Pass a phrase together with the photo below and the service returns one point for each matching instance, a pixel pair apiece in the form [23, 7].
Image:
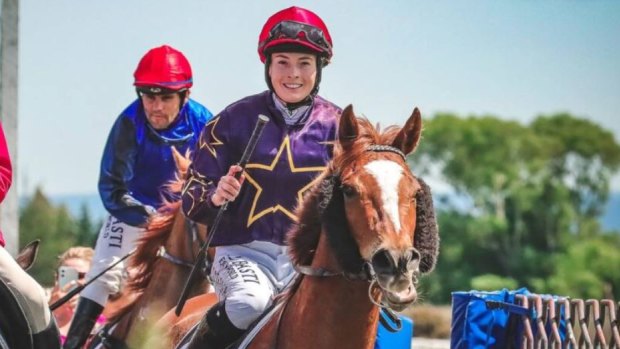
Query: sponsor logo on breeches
[238, 268]
[113, 233]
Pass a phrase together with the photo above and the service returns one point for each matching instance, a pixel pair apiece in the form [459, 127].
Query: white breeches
[115, 240]
[248, 276]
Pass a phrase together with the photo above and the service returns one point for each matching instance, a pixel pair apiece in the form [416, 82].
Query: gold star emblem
[285, 147]
[210, 127]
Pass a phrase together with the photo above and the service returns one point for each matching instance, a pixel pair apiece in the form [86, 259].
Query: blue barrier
[395, 340]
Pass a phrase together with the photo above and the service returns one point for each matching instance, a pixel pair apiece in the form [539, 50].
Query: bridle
[366, 272]
[191, 229]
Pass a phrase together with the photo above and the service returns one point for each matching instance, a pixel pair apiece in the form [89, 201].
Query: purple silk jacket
[284, 163]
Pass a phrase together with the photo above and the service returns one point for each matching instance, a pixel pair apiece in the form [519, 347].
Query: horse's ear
[26, 257]
[347, 129]
[409, 136]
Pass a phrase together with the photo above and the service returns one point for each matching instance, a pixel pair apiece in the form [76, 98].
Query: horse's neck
[164, 287]
[336, 312]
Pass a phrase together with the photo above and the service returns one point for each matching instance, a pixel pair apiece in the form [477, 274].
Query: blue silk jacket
[137, 159]
[281, 169]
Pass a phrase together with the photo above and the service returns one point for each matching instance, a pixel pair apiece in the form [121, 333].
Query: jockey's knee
[243, 311]
[27, 291]
[36, 307]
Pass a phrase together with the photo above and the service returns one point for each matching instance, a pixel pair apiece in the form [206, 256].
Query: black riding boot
[84, 319]
[215, 331]
[49, 338]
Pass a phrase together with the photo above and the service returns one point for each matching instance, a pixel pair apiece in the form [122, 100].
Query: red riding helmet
[295, 25]
[163, 68]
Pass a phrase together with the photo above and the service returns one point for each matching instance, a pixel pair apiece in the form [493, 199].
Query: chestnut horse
[158, 270]
[365, 232]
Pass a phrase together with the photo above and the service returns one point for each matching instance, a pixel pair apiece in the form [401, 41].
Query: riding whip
[79, 289]
[249, 149]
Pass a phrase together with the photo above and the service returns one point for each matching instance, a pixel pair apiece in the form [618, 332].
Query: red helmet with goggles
[296, 26]
[163, 69]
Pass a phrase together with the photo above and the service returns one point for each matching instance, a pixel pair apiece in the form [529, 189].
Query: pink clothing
[5, 172]
[100, 322]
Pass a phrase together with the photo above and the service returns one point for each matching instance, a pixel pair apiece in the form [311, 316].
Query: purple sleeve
[211, 161]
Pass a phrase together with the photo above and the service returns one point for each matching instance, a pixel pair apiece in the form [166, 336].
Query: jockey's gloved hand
[129, 200]
[150, 210]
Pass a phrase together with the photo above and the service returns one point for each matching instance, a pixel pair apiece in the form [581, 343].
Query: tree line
[524, 213]
[534, 195]
[57, 229]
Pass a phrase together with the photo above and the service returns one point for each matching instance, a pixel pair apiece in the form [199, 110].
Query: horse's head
[387, 210]
[377, 216]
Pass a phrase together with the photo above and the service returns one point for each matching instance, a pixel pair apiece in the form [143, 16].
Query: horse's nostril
[413, 260]
[383, 262]
[414, 255]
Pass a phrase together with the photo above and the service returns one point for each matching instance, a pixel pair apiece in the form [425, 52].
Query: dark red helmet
[163, 69]
[296, 26]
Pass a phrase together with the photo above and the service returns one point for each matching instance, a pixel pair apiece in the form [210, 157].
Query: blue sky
[514, 59]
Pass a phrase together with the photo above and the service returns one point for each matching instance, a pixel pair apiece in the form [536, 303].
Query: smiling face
[161, 110]
[292, 75]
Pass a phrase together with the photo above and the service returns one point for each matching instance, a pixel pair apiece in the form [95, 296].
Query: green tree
[39, 219]
[533, 192]
[588, 268]
[583, 157]
[86, 229]
[57, 230]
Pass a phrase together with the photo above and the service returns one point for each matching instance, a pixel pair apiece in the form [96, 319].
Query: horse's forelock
[182, 163]
[368, 135]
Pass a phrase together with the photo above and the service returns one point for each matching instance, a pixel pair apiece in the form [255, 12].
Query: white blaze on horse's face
[388, 175]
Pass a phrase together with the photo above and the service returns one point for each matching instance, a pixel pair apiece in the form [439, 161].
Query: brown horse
[158, 270]
[365, 232]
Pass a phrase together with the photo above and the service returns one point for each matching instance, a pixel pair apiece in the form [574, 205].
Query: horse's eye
[348, 191]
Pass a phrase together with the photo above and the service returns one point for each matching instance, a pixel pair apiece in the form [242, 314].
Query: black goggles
[155, 90]
[292, 30]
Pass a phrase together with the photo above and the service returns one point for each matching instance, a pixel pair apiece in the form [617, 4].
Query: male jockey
[137, 161]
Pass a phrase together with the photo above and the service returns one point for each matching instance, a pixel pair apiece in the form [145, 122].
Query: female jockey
[27, 291]
[137, 161]
[251, 264]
